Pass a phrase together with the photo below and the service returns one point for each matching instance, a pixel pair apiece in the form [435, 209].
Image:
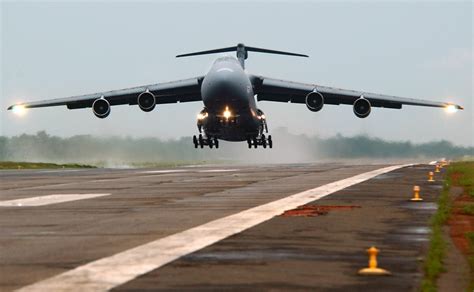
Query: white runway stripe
[48, 200]
[217, 170]
[110, 272]
[186, 170]
[164, 171]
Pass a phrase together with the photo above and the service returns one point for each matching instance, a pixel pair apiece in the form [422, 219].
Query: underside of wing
[314, 96]
[170, 92]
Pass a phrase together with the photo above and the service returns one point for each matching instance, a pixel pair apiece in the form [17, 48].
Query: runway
[213, 227]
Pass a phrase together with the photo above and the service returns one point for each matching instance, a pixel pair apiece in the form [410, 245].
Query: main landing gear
[201, 141]
[260, 141]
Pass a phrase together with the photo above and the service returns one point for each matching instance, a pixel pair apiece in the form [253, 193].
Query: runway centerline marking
[109, 272]
[48, 200]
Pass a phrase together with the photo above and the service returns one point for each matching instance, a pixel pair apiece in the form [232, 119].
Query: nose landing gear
[201, 141]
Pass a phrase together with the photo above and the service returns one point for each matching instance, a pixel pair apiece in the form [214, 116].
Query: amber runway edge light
[372, 269]
[430, 176]
[416, 194]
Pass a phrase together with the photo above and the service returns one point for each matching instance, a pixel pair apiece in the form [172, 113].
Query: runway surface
[213, 227]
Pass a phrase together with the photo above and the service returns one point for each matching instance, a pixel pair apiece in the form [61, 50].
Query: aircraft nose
[224, 84]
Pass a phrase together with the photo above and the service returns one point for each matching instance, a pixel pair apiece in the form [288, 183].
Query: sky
[411, 49]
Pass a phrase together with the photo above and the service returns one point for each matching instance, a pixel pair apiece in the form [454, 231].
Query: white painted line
[185, 170]
[48, 200]
[90, 181]
[61, 170]
[107, 273]
[433, 162]
[217, 170]
[164, 171]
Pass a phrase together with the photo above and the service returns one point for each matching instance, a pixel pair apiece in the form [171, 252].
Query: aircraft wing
[170, 92]
[287, 91]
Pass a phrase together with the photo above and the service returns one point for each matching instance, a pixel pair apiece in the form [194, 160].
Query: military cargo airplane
[229, 96]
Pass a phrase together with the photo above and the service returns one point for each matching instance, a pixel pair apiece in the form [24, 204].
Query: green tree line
[288, 147]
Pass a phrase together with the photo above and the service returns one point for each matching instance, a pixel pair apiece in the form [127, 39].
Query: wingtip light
[451, 108]
[19, 110]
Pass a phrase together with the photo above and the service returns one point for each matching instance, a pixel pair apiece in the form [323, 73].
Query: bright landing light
[227, 113]
[19, 110]
[451, 108]
[202, 116]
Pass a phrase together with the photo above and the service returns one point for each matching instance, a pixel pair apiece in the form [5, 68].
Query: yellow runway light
[437, 167]
[416, 194]
[373, 270]
[430, 176]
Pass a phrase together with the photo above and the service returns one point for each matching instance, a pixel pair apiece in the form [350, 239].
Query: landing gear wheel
[264, 141]
[216, 142]
[201, 141]
[195, 141]
[249, 143]
[255, 143]
[270, 142]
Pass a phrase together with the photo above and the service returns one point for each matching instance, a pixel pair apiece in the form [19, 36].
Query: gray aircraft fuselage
[227, 87]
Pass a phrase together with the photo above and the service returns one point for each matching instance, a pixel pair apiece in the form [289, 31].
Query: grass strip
[468, 209]
[39, 165]
[458, 174]
[433, 266]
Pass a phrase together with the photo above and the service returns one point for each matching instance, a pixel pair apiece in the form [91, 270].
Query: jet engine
[101, 108]
[314, 101]
[146, 101]
[362, 107]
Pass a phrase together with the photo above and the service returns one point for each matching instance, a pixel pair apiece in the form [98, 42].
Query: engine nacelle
[314, 101]
[362, 107]
[101, 108]
[146, 101]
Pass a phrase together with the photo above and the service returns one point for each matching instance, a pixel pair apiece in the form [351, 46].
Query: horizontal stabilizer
[241, 48]
[229, 49]
[253, 49]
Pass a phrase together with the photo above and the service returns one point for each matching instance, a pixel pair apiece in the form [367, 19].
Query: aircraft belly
[237, 129]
